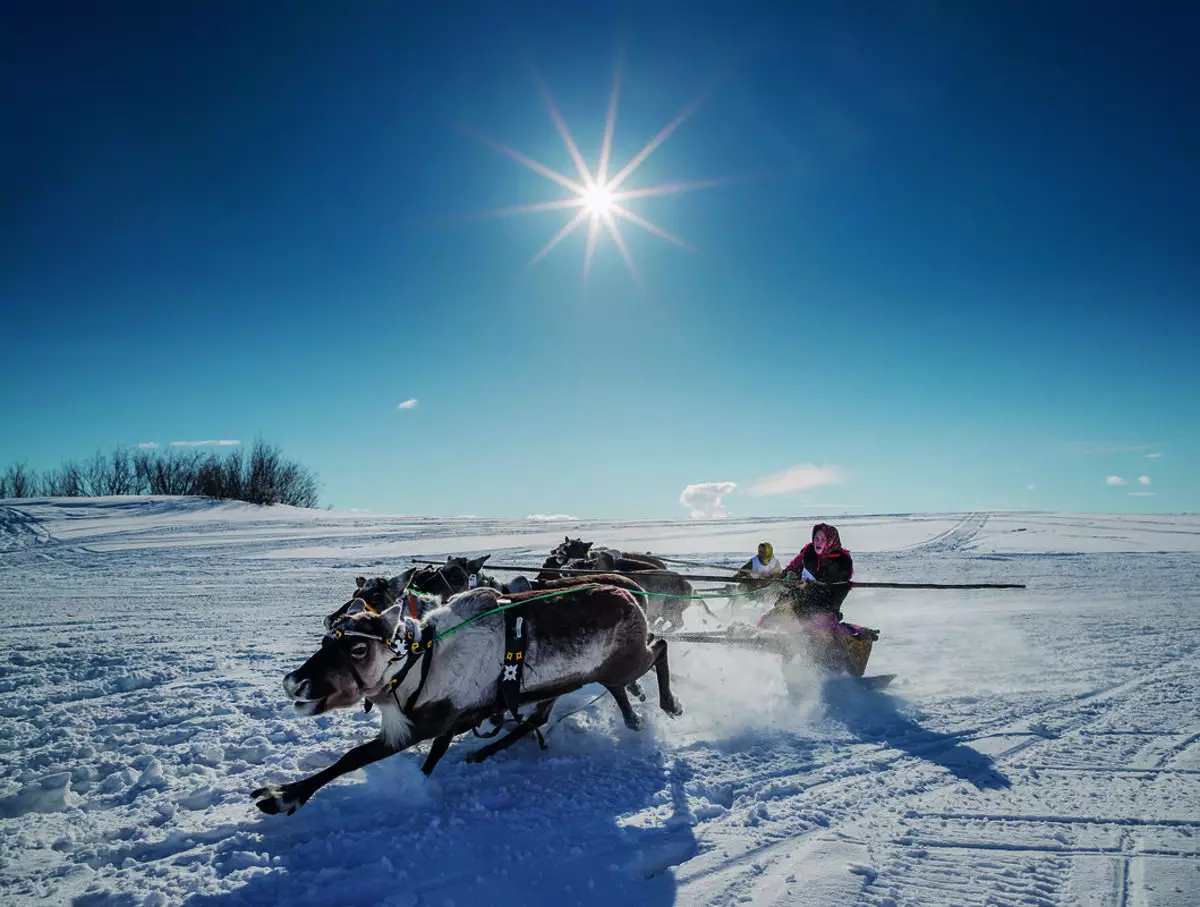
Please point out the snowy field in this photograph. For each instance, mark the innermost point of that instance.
(1039, 747)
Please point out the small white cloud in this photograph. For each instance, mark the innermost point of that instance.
(1153, 456)
(1114, 480)
(410, 403)
(796, 478)
(204, 443)
(1143, 494)
(706, 500)
(146, 445)
(1143, 480)
(1030, 487)
(550, 517)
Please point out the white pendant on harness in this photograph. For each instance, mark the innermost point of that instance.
(472, 581)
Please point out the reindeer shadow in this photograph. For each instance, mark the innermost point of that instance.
(526, 827)
(873, 715)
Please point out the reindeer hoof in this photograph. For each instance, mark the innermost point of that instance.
(674, 708)
(634, 723)
(274, 800)
(635, 690)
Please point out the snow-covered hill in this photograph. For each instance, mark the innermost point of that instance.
(1039, 747)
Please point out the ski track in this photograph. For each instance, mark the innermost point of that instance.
(1039, 760)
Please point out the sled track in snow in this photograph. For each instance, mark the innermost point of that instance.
(1002, 840)
(956, 538)
(901, 779)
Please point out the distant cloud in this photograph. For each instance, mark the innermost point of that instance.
(795, 478)
(706, 500)
(1114, 480)
(1143, 494)
(146, 445)
(1030, 487)
(1143, 480)
(204, 443)
(410, 403)
(550, 517)
(1153, 456)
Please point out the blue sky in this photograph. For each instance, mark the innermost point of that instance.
(954, 265)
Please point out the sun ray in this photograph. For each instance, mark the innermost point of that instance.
(535, 166)
(654, 143)
(610, 121)
(653, 228)
(562, 234)
(615, 233)
(623, 195)
(557, 204)
(561, 126)
(590, 251)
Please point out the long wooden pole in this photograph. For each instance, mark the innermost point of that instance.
(726, 579)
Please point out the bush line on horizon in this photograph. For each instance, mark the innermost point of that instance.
(261, 477)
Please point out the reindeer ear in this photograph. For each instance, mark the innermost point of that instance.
(587, 546)
(358, 606)
(359, 582)
(398, 583)
(474, 565)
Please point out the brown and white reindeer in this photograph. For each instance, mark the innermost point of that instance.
(427, 690)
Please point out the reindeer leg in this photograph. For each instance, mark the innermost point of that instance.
(539, 717)
(436, 752)
(666, 699)
(274, 799)
(631, 719)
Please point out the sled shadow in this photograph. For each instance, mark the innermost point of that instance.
(874, 715)
(529, 827)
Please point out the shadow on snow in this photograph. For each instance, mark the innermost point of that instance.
(874, 715)
(525, 827)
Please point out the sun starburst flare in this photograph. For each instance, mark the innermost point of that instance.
(598, 197)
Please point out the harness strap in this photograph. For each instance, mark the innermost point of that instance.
(426, 649)
(513, 668)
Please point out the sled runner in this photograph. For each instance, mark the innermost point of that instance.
(838, 647)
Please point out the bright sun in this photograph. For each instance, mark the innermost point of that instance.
(598, 200)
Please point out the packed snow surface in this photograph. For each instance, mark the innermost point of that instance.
(1040, 746)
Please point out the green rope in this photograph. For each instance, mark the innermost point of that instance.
(559, 592)
(497, 610)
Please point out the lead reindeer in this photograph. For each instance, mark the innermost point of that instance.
(427, 690)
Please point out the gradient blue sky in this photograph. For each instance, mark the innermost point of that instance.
(959, 268)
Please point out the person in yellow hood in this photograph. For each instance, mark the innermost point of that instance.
(764, 564)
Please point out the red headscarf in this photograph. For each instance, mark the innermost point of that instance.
(833, 541)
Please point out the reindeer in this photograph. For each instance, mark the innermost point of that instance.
(454, 577)
(591, 634)
(670, 592)
(572, 549)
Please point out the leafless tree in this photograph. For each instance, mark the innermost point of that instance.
(64, 482)
(19, 482)
(120, 477)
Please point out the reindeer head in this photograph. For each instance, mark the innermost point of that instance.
(572, 549)
(469, 566)
(605, 560)
(352, 662)
(378, 592)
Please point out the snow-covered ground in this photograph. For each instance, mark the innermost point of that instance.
(1039, 747)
